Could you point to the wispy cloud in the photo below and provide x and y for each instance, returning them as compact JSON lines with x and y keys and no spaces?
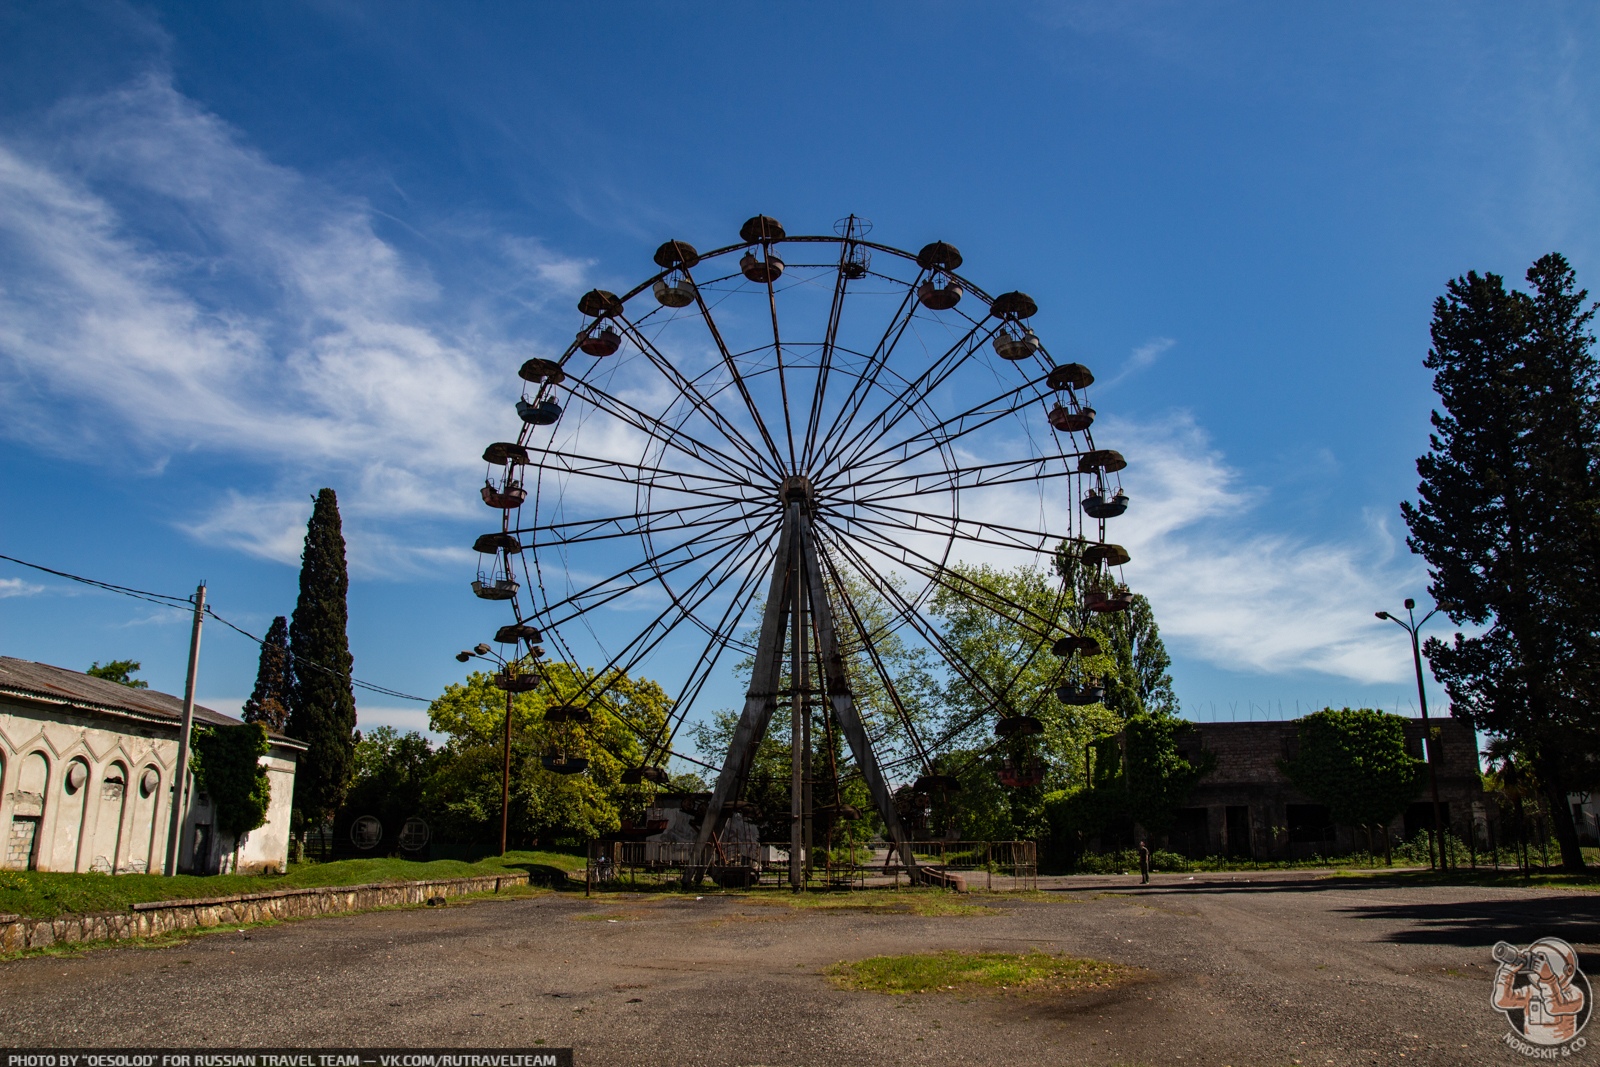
{"x":1241,"y":598}
{"x":1141,"y":357}
{"x":10,"y":587}
{"x":279,"y":327}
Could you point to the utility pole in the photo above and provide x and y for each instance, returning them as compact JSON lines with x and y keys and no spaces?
{"x":180,"y":777}
{"x":1412,"y":627}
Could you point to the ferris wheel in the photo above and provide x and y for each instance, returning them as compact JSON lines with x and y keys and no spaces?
{"x":781,"y":452}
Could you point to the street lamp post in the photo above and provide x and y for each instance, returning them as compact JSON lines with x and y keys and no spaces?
{"x":1411,"y":626}
{"x":485,"y":652}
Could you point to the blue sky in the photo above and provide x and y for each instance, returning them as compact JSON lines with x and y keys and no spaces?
{"x":250,"y":250}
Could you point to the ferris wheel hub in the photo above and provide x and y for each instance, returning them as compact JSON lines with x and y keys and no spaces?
{"x":797,"y":487}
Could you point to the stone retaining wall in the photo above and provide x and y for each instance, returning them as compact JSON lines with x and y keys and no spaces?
{"x":167,"y":916}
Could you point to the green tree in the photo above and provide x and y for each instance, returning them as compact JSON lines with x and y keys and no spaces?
{"x":227,"y":768}
{"x":1355,"y":763}
{"x":1507,"y":517}
{"x":463,"y":791}
{"x":322,"y":712}
{"x":270,"y":700}
{"x":120,"y":671}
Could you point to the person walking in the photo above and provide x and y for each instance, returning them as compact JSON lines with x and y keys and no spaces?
{"x":1144,"y":862}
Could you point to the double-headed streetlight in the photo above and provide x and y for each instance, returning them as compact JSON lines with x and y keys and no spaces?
{"x":507,"y":680}
{"x":1411,"y":626}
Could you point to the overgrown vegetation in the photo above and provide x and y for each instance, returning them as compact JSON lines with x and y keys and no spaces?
{"x":227,"y":768}
{"x":1355,"y":763}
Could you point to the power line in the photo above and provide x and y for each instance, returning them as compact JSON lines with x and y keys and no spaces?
{"x":168,"y":601}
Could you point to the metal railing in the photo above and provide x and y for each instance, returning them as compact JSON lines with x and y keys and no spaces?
{"x":1002,"y":865}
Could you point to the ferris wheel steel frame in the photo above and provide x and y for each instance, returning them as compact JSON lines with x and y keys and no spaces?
{"x":848,"y":491}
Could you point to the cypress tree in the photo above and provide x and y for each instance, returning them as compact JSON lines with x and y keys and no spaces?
{"x":269,"y":703}
{"x":322,"y":709}
{"x":1506,"y":517}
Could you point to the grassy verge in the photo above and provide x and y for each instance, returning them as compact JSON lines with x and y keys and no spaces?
{"x":988,"y":972}
{"x":48,"y":895}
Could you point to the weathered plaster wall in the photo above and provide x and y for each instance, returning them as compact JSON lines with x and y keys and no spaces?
{"x":80,"y":792}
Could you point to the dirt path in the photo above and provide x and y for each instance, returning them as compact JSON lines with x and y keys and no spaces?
{"x":1276,"y":971}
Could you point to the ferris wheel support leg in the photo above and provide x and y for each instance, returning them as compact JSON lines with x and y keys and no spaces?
{"x":844,"y":705}
{"x":759,"y":702}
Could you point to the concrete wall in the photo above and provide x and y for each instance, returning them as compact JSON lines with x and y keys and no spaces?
{"x":82,"y":792}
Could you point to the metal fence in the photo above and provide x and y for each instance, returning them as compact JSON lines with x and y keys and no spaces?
{"x":999,"y":866}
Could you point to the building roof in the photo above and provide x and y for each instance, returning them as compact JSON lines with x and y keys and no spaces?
{"x":58,"y":685}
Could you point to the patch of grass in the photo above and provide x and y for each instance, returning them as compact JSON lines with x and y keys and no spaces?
{"x":49,"y":895}
{"x":988,"y":972}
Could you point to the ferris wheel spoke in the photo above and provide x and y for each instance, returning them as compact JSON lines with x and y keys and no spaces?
{"x":617,"y":470}
{"x":977,"y":476}
{"x":955,"y":582}
{"x":963,"y":521}
{"x":652,"y":530}
{"x":651,"y":563}
{"x":671,"y":436}
{"x":932,"y":377}
{"x":970,"y":421}
{"x":924,"y":627}
{"x":572,"y":530}
{"x":950,"y":529}
{"x":715,"y":646}
{"x":830,"y":338}
{"x":738,"y":380}
{"x":861,"y":388}
{"x":682,"y":607}
{"x":783,"y":384}
{"x":772,"y":463}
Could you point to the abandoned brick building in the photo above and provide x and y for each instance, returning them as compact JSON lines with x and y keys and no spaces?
{"x":1246,"y":806}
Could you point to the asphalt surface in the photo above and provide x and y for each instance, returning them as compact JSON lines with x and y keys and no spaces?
{"x":1276,"y":970}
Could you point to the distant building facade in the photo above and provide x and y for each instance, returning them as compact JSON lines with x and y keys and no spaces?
{"x":1247,"y":807}
{"x":86,"y":780}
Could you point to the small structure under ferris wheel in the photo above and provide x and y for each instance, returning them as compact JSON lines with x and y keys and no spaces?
{"x":777,"y":432}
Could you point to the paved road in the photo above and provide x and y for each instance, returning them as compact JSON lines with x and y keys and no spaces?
{"x":1268,"y":971}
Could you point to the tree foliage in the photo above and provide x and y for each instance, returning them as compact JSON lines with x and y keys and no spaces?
{"x":1355,"y":763}
{"x":269,"y":701}
{"x":464,"y":788}
{"x":226,"y":761}
{"x":121,"y":671}
{"x":322,"y":710}
{"x":1507,"y":516}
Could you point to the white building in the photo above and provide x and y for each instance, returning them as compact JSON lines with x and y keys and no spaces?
{"x":86,"y":772}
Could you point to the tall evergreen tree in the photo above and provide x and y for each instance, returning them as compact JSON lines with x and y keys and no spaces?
{"x":322,"y":709}
{"x":1507,"y":516}
{"x":269,"y":703}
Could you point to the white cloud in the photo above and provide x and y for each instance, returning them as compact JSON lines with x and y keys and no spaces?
{"x":10,"y":587}
{"x":1246,"y":599}
{"x":266,"y":319}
